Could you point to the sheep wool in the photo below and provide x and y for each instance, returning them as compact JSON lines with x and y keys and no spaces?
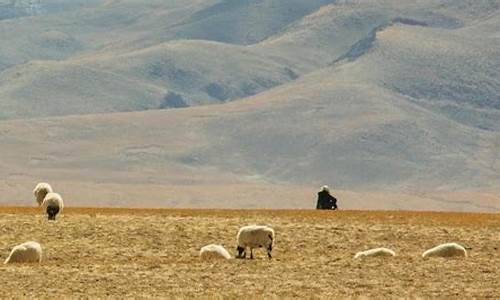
{"x":375,"y":252}
{"x":254,"y":236}
{"x":446,"y":250}
{"x":212,"y":251}
{"x":41,"y":190}
{"x":29,"y":252}
{"x":52,"y":205}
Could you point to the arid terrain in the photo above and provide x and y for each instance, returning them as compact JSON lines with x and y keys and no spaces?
{"x":154,"y":253}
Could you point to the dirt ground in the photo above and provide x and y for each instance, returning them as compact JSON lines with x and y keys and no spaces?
{"x":154,"y":253}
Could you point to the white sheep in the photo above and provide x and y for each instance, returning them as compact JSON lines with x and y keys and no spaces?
{"x":41,"y":190}
{"x":375,"y":252}
{"x":213,"y":251}
{"x":446,"y":250}
{"x":29,"y":252}
{"x":52,"y":205}
{"x":254,"y":236}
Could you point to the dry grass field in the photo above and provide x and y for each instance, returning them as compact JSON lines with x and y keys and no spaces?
{"x":154,"y":254}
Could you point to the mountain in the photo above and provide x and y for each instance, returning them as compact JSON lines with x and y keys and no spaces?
{"x":254,"y":103}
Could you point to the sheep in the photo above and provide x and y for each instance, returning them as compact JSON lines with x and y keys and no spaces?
{"x":254,"y":236}
{"x":41,"y":190}
{"x":52,"y":205}
{"x":213,"y":251}
{"x":446,"y":250}
{"x":375,"y":252}
{"x":29,"y":252}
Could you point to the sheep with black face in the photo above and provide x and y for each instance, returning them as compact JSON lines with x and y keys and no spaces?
{"x":52,"y":205}
{"x":254,"y":236}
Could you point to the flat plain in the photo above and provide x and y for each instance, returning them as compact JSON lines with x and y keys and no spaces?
{"x":153,"y":253}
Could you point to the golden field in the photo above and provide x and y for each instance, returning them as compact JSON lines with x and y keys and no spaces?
{"x":154,"y":254}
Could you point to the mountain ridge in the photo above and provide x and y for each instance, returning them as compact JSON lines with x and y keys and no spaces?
{"x":395,"y":99}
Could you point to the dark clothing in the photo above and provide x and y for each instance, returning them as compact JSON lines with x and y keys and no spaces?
{"x":326,"y":201}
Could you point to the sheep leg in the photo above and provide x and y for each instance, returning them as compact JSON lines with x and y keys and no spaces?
{"x":251,"y":253}
{"x":270,"y":248}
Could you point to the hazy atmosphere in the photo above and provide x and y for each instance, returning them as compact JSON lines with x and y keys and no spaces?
{"x":275,"y":149}
{"x":252,"y":104}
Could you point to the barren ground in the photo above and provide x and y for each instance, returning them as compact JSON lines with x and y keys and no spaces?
{"x":154,"y":253}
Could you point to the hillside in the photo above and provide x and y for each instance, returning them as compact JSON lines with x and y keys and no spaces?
{"x":154,"y":253}
{"x":109,"y":45}
{"x":217,"y":103}
{"x":263,"y":152}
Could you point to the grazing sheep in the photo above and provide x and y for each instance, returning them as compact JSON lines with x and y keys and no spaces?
{"x":254,"y":236}
{"x":29,"y":252}
{"x":41,"y":190}
{"x":375,"y":252}
{"x":446,"y":250}
{"x":213,"y":251}
{"x":52,"y":205}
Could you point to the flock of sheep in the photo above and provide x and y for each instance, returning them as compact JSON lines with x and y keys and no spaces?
{"x":217,"y":251}
{"x":252,"y":236}
{"x":249,"y":237}
{"x":443,"y":250}
{"x":51,"y":202}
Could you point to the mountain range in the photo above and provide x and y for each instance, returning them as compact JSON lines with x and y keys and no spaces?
{"x":235,"y":103}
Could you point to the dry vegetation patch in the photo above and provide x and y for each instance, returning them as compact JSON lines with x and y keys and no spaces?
{"x":154,"y":253}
